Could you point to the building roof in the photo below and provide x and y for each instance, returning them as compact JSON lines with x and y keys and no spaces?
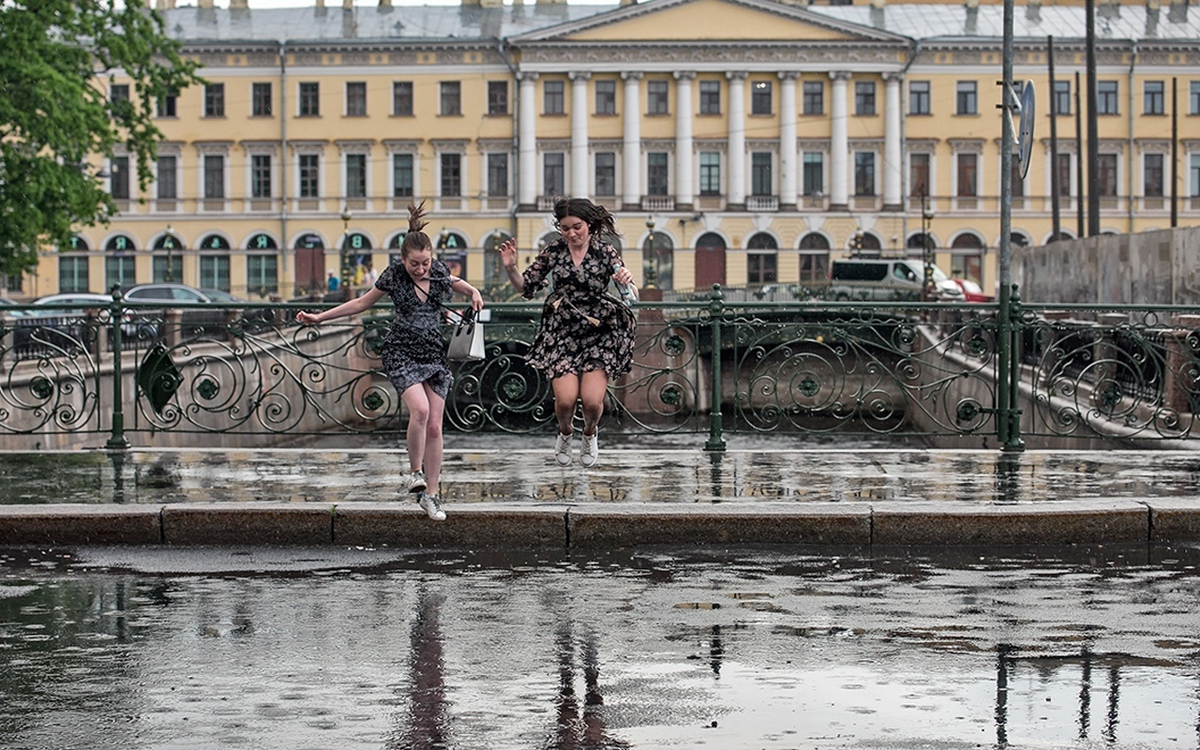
{"x":923,"y":21}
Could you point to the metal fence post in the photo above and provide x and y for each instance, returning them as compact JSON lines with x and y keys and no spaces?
{"x":716,"y":306}
{"x":117,"y":440}
{"x":1010,"y":370}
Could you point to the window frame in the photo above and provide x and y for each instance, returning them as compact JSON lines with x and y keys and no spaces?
{"x":356,"y":98}
{"x":554,"y":95}
{"x":762,"y":98}
{"x":260,"y":105}
{"x":308,"y":99}
{"x":864,"y":99}
{"x":450,"y":98}
{"x":402,"y":99}
{"x":920,"y":101}
{"x":812,"y":95}
{"x":658,"y":97}
{"x":966,"y":98}
{"x":605,"y":97}
{"x":497,"y":98}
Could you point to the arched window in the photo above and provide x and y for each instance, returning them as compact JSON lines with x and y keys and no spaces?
{"x":710,"y":260}
{"x":814,"y":257}
{"x":658,"y":260}
{"x":762,"y":262}
{"x":966,"y":257}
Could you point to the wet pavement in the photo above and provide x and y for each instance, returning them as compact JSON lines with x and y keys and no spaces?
{"x":655,"y":647}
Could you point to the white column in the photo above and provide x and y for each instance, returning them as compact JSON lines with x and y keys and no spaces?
{"x":892,"y":168}
{"x":787,"y":139}
{"x":527,"y":140}
{"x":579,"y":134}
{"x":631,"y":165}
{"x":839,"y":144}
{"x":736,"y":180}
{"x":684,"y":193}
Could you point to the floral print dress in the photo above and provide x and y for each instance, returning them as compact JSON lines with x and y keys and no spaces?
{"x":567,"y":342}
{"x":414,"y":351}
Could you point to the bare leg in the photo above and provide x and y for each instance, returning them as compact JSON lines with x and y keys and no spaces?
{"x":417,"y":402}
{"x":433,"y":439}
{"x":592,"y":391}
{"x":566,"y":393}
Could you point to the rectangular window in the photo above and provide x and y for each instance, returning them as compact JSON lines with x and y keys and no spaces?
{"x":1064,"y":175}
{"x":310,"y":173}
{"x":918,"y":98}
{"x":1106,"y":173}
{"x":1194,"y":97}
{"x":814,"y":173}
{"x":260,"y":176}
{"x":260,"y":99}
{"x":497,"y":174}
{"x":554,"y":173}
{"x":262,"y":274}
{"x":497,"y":97}
{"x":864,"y":173}
{"x":356,"y":176}
{"x":864,"y":98}
{"x":214,"y":176}
{"x":356,"y":99}
{"x":710,"y":97}
{"x":214,"y":100}
{"x":402,"y":98}
{"x":606,"y":97}
{"x":968,"y":175}
{"x":1194,"y":170}
{"x":118,"y":185}
{"x":72,"y":274}
{"x":165,"y":106}
{"x":310,"y":99}
{"x":450,"y":98}
{"x":606,"y":173}
{"x":119,"y":96}
{"x":1153,"y":177}
{"x":760,"y":173}
{"x":762,"y":268}
{"x":119,"y":271}
{"x":760,"y":98}
{"x":966,"y":98}
{"x":1154,"y":97}
{"x":710,"y":173}
{"x":1062,"y":97}
{"x":656,"y":97}
{"x":451,"y":175}
{"x":214,"y":272}
{"x":656,"y":173}
{"x":1106,"y":98}
{"x":814,"y":98}
{"x":402,"y":175}
{"x":165,"y":178}
{"x":554,"y":98}
{"x":918,"y":175}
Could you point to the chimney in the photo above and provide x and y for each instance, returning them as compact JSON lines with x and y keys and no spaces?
{"x":347,"y":4}
{"x":205,"y":5}
{"x":165,"y":5}
{"x":878,"y":3}
{"x":385,"y":3}
{"x":239,"y":4}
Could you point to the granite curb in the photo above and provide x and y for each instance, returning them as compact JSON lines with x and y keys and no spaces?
{"x":590,"y":526}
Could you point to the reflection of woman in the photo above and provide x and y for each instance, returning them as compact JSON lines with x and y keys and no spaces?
{"x":427,"y":725}
{"x":586,"y":334}
{"x":414,"y":353}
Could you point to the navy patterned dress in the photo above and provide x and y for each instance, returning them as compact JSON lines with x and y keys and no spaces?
{"x":414,"y":351}
{"x":566,"y":341}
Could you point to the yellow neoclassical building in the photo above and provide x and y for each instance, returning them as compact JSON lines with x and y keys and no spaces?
{"x":743,"y":142}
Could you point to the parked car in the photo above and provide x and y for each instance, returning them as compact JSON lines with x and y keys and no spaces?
{"x":57,"y":323}
{"x":972,"y":292}
{"x":210,"y":320}
{"x":887,"y":279}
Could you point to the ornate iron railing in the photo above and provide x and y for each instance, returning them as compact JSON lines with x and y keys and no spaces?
{"x":238,"y":373}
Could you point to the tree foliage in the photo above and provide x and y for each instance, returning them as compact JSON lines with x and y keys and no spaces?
{"x":57,"y":122}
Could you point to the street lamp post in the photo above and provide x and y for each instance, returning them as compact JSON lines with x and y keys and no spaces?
{"x":344,"y":256}
{"x":169,"y":244}
{"x":652,"y":265}
{"x":927,"y":246}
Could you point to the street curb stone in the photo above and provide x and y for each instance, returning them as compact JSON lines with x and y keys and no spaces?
{"x":80,"y":524}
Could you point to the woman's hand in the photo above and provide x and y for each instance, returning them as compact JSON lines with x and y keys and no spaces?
{"x":476,"y":300}
{"x":508,"y":253}
{"x":623,"y":276}
{"x":306,"y":318}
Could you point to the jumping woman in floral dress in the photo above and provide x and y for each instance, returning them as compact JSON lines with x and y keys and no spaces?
{"x":414,"y":352}
{"x":586,"y":334}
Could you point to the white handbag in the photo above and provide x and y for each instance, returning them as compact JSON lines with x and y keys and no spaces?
{"x":466,"y":342}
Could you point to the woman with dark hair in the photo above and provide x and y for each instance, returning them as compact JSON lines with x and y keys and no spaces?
{"x":414,"y":352}
{"x":586,"y":334}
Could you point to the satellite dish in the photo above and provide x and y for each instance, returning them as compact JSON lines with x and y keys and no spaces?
{"x":1025,"y":132}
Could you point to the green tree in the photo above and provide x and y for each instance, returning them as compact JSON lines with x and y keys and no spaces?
{"x":57,"y":121}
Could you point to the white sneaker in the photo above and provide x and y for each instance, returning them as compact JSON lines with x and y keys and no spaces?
{"x":413,"y":481}
{"x":590,"y":450}
{"x":562,"y":449}
{"x":432,"y":505}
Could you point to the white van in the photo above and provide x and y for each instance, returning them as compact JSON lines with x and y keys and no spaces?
{"x":886,"y":280}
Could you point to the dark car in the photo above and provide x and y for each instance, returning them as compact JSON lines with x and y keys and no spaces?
{"x":211,"y":320}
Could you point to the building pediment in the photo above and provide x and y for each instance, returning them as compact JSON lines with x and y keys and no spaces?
{"x":708,"y":21}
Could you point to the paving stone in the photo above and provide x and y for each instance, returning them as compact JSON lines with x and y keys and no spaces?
{"x":1174,"y":519}
{"x":491,"y":525}
{"x":79,"y":524}
{"x":246,"y":523}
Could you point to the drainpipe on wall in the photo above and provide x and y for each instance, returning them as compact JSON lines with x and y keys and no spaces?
{"x":283,"y":170}
{"x":1132,"y":181}
{"x":912,"y":58}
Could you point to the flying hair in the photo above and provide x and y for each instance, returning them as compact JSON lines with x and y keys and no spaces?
{"x":415,"y":240}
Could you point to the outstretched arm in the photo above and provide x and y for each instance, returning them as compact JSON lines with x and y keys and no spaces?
{"x":462,"y":287}
{"x":508,"y":256}
{"x":351,"y":307}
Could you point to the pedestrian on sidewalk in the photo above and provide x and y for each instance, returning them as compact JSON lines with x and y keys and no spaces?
{"x":414,"y":351}
{"x":586,"y":334}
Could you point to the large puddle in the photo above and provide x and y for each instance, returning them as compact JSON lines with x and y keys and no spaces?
{"x":755,"y":648}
